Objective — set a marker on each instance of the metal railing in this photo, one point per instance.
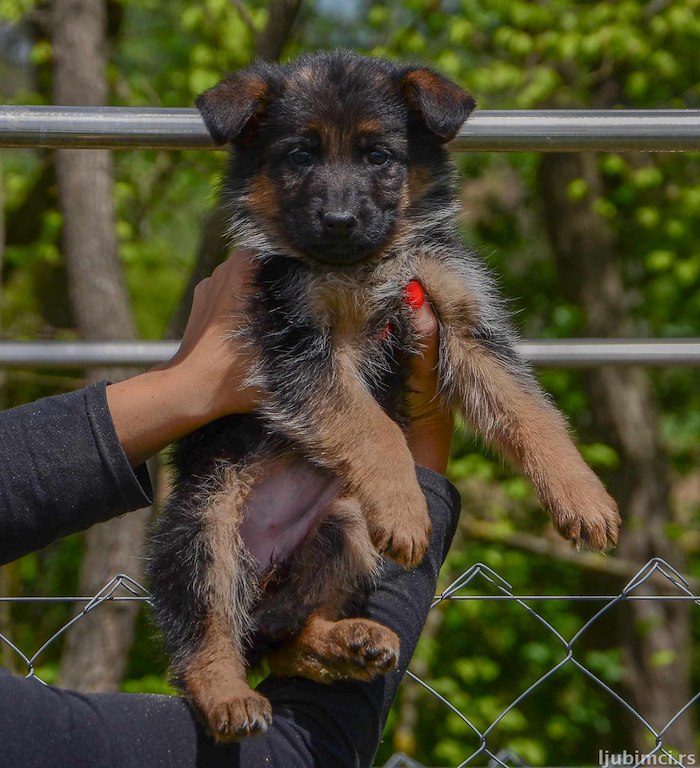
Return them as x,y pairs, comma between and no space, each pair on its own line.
485,130
667,582
122,128
553,353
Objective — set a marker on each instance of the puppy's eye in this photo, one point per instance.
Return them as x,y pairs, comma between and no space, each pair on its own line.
300,157
378,156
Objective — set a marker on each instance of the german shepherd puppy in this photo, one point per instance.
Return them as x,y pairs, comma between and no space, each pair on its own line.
340,180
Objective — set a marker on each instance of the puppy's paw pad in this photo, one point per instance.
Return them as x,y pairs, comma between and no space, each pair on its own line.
372,648
405,547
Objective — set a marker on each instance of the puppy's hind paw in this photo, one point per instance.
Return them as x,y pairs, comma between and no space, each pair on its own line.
238,717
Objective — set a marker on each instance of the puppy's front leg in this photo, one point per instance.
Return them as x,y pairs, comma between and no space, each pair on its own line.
341,425
484,377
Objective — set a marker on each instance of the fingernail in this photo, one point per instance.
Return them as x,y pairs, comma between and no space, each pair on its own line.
386,331
413,295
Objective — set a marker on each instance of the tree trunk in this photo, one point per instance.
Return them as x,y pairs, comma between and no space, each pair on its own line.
213,246
271,41
96,648
655,635
2,223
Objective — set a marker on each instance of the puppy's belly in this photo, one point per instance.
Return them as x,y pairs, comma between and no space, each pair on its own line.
284,507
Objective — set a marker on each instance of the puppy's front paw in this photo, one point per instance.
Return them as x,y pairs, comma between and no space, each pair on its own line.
589,520
398,522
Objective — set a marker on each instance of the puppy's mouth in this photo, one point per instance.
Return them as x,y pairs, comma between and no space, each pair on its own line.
365,244
341,252
301,237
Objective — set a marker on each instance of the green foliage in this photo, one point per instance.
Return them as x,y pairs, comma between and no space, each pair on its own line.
510,54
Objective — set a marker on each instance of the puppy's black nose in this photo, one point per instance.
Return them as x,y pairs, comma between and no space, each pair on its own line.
338,222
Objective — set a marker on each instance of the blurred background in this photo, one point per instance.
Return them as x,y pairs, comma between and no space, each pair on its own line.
100,245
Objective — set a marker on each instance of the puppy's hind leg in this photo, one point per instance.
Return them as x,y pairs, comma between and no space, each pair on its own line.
204,583
332,575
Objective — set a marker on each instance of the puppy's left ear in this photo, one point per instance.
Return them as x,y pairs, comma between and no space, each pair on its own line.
232,105
442,105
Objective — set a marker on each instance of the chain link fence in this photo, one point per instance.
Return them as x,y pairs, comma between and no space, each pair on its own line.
657,580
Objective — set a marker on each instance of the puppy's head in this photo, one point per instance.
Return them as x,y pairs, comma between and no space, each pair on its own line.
332,150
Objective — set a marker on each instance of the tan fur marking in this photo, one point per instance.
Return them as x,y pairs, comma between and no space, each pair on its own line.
360,557
420,181
334,138
357,438
262,198
222,519
327,650
203,674
340,306
336,141
423,82
368,126
245,87
255,88
447,292
215,680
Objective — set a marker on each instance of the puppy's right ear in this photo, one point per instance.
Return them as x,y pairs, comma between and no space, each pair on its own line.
230,106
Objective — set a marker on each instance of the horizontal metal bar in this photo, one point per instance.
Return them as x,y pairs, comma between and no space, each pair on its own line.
580,130
84,354
102,127
587,353
454,598
485,131
111,599
553,353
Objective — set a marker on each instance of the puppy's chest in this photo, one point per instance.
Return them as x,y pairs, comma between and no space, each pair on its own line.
353,314
310,326
369,328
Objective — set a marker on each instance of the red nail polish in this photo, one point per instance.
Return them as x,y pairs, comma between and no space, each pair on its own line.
414,296
386,331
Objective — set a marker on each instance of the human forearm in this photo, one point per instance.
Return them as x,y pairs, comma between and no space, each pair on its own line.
63,471
429,434
155,408
429,440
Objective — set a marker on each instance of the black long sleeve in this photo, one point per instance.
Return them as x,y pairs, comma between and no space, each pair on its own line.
329,726
62,470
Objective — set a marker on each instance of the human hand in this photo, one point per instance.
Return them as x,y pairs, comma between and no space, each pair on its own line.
205,380
211,365
430,431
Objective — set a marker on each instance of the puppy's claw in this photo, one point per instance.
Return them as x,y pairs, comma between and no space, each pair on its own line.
370,649
595,527
240,716
408,546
